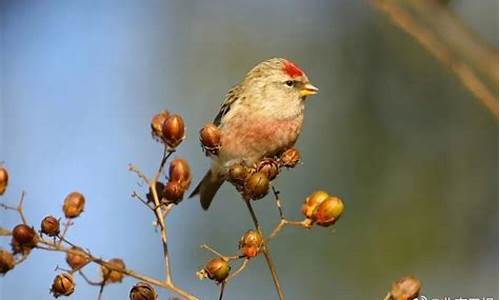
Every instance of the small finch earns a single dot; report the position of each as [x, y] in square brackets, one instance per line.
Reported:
[261, 116]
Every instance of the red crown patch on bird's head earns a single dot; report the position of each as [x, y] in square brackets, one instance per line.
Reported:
[291, 69]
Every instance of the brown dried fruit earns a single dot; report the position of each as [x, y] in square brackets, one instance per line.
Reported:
[7, 261]
[269, 167]
[23, 249]
[312, 202]
[217, 269]
[143, 291]
[50, 226]
[406, 288]
[74, 204]
[4, 180]
[173, 192]
[157, 124]
[290, 158]
[257, 186]
[173, 131]
[23, 234]
[238, 174]
[210, 138]
[250, 244]
[63, 285]
[329, 211]
[180, 171]
[112, 276]
[76, 258]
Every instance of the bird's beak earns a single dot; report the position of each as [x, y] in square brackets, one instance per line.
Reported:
[308, 90]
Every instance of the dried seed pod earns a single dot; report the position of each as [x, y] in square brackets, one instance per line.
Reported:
[4, 180]
[406, 288]
[112, 276]
[173, 192]
[250, 244]
[238, 174]
[290, 158]
[173, 131]
[24, 235]
[7, 261]
[143, 291]
[257, 186]
[329, 211]
[74, 204]
[157, 124]
[50, 226]
[210, 138]
[217, 269]
[76, 259]
[312, 202]
[63, 285]
[269, 167]
[18, 248]
[180, 171]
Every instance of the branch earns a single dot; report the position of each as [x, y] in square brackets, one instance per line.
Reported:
[101, 290]
[445, 36]
[5, 232]
[265, 251]
[138, 172]
[66, 225]
[217, 253]
[283, 222]
[19, 209]
[88, 280]
[160, 212]
[160, 217]
[235, 273]
[52, 246]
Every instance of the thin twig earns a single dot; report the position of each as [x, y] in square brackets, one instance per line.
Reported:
[52, 246]
[23, 258]
[138, 197]
[19, 208]
[88, 280]
[160, 216]
[278, 202]
[217, 253]
[235, 273]
[5, 232]
[283, 222]
[66, 226]
[207, 247]
[444, 35]
[222, 286]
[101, 289]
[266, 252]
[136, 170]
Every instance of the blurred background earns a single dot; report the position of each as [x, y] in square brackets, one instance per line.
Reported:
[393, 132]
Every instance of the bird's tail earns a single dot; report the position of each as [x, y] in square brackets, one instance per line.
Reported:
[207, 188]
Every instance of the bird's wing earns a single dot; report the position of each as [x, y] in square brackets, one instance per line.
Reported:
[231, 97]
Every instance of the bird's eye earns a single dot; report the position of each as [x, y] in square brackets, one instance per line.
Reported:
[290, 83]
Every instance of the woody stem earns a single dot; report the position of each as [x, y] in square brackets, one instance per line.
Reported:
[266, 252]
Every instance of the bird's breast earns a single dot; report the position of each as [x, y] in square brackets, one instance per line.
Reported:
[249, 138]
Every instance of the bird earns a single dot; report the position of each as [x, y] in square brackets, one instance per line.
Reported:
[261, 116]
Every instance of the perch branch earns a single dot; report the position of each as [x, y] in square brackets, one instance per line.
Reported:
[265, 251]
